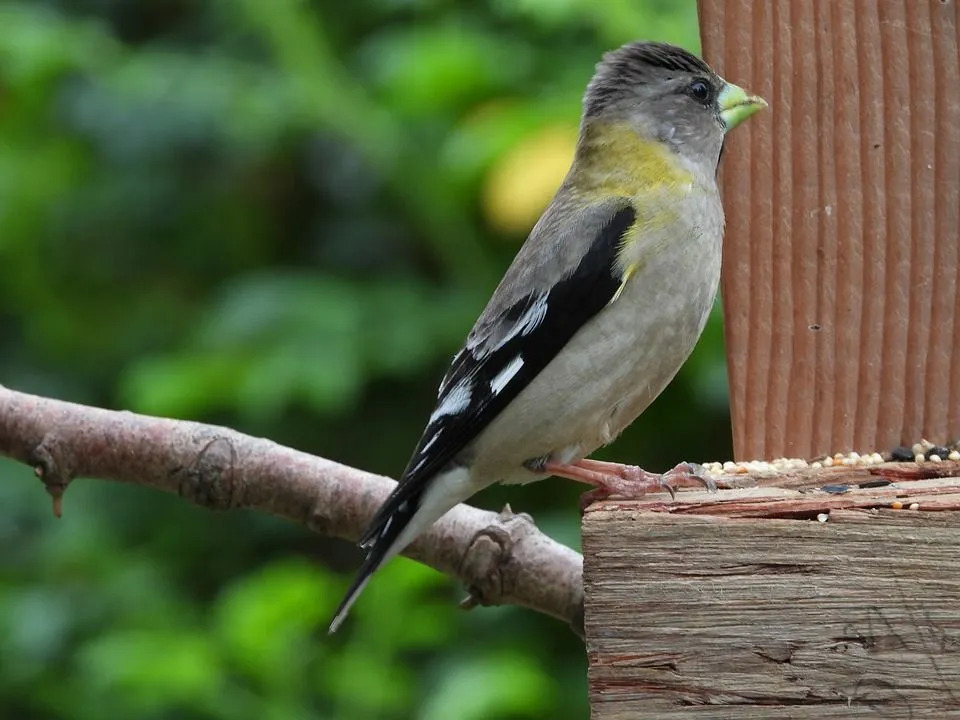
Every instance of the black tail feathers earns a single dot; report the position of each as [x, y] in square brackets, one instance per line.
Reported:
[379, 541]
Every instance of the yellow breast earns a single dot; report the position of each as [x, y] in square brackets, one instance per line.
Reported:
[614, 161]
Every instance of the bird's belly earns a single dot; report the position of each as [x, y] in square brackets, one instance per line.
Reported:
[617, 366]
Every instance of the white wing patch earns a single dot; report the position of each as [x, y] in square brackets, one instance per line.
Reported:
[525, 324]
[455, 401]
[533, 317]
[504, 377]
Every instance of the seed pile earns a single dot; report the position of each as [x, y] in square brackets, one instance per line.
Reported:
[926, 451]
[923, 451]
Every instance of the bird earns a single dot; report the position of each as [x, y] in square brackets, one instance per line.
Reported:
[599, 309]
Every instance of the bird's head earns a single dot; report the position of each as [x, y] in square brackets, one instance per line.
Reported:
[665, 94]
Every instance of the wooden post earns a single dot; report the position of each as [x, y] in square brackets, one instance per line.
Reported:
[842, 255]
[746, 606]
[810, 595]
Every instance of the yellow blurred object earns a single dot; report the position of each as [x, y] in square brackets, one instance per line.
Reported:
[521, 183]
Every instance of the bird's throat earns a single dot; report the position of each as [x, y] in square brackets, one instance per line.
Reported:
[614, 160]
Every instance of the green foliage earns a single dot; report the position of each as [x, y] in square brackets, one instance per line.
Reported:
[280, 216]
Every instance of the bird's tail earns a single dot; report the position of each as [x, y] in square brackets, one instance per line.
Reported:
[380, 547]
[401, 518]
[381, 543]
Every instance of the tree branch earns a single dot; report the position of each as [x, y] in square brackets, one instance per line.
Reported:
[501, 558]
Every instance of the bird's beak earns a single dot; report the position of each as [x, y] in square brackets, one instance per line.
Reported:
[736, 106]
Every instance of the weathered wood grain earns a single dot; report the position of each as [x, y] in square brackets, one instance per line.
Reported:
[732, 605]
[842, 256]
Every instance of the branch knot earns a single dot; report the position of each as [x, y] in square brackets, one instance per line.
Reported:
[489, 552]
[210, 481]
[54, 465]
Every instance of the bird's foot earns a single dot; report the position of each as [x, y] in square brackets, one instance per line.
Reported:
[629, 481]
[638, 482]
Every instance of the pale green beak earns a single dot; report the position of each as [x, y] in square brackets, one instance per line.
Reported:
[736, 106]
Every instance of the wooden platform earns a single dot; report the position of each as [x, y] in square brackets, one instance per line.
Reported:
[779, 600]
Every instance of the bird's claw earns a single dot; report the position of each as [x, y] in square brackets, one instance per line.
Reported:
[631, 481]
[694, 475]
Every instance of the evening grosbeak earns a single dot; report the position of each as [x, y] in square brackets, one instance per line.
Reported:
[600, 308]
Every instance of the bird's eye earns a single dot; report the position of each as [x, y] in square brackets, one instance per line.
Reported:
[700, 91]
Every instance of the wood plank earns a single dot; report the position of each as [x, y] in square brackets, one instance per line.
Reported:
[733, 605]
[842, 256]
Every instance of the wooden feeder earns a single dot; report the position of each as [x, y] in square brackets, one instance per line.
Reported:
[813, 592]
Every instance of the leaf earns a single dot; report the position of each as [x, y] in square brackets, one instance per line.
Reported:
[496, 685]
[401, 608]
[268, 621]
[152, 669]
[426, 69]
[182, 386]
[365, 683]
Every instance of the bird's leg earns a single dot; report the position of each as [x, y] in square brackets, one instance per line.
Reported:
[574, 471]
[628, 481]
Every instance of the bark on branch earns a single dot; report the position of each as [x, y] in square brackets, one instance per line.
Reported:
[501, 557]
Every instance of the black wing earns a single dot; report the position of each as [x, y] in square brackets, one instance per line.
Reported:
[485, 377]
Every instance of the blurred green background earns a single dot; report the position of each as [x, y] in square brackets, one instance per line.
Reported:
[282, 216]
